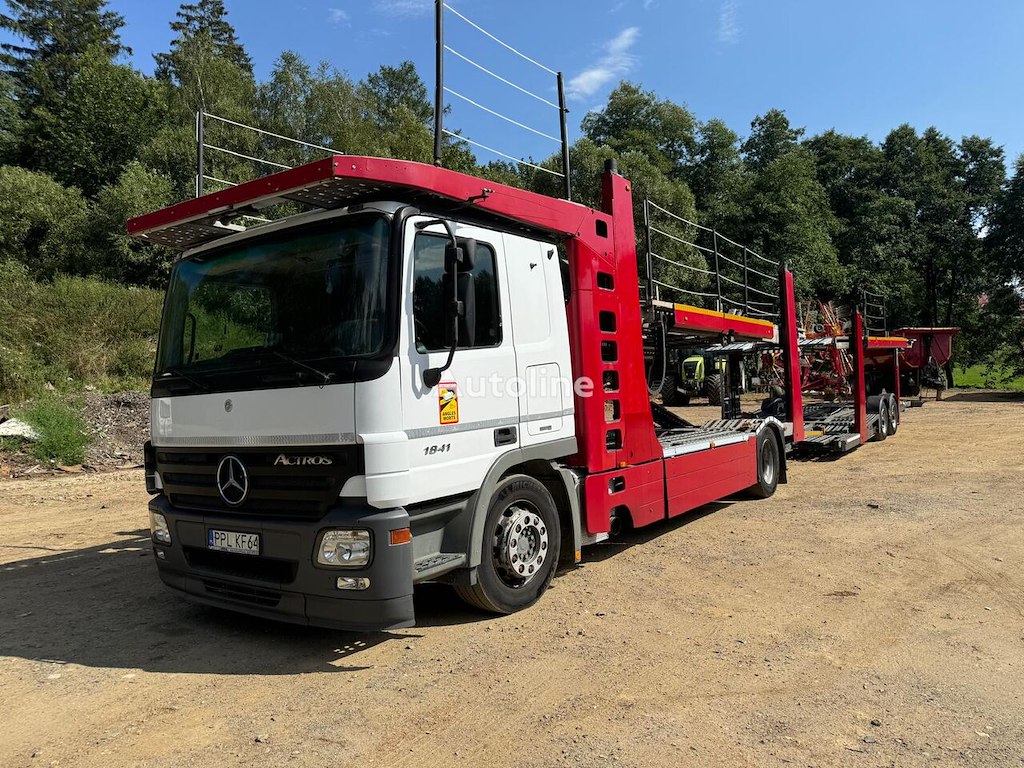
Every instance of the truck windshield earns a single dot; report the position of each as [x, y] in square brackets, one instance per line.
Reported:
[300, 301]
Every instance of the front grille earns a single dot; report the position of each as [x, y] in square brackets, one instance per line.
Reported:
[266, 598]
[242, 566]
[276, 490]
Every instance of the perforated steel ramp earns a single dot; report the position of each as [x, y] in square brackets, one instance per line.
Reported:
[742, 346]
[835, 423]
[679, 442]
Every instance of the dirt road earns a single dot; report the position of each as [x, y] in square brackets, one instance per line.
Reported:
[870, 614]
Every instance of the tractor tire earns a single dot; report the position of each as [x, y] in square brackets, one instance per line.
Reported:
[521, 542]
[670, 395]
[713, 388]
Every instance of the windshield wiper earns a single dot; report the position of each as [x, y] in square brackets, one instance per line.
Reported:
[327, 377]
[181, 374]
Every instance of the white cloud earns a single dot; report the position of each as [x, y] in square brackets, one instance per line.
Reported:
[403, 7]
[337, 16]
[728, 22]
[616, 62]
[648, 4]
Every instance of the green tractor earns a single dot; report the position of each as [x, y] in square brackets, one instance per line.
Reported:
[691, 378]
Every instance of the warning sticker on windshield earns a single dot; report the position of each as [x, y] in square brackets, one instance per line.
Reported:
[448, 403]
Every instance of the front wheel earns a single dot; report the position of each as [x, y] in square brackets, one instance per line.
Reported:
[520, 547]
[769, 465]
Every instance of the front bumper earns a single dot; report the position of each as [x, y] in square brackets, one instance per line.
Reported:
[284, 582]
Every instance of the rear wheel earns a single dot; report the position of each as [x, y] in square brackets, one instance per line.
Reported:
[520, 547]
[713, 388]
[894, 414]
[882, 431]
[769, 464]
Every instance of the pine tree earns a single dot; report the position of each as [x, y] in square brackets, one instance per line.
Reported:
[55, 34]
[203, 24]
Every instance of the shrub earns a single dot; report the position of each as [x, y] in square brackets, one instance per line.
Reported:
[72, 332]
[63, 436]
[42, 224]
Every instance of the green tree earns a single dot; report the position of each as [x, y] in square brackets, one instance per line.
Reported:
[206, 19]
[394, 88]
[42, 224]
[950, 191]
[788, 219]
[399, 108]
[771, 137]
[716, 175]
[55, 34]
[10, 118]
[1003, 314]
[872, 241]
[1005, 239]
[119, 257]
[44, 65]
[635, 120]
[110, 112]
[283, 106]
[337, 113]
[206, 69]
[786, 214]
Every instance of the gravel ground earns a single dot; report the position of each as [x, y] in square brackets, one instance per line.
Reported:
[871, 613]
[119, 425]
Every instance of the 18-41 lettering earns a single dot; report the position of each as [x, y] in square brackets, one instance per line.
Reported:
[430, 450]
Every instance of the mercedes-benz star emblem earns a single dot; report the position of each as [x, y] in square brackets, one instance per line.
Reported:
[232, 480]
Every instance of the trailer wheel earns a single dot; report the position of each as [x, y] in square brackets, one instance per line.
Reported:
[883, 420]
[894, 414]
[522, 540]
[713, 388]
[768, 466]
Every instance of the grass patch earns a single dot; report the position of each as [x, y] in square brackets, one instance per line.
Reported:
[73, 331]
[987, 377]
[63, 434]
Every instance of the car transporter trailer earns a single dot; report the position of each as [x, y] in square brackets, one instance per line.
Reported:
[316, 448]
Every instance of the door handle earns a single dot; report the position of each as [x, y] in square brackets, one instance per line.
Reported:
[504, 436]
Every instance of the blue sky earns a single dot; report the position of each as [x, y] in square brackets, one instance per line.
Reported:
[861, 67]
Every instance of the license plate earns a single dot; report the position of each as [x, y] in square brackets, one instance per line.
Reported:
[234, 541]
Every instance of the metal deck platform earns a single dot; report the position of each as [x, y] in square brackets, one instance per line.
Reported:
[678, 442]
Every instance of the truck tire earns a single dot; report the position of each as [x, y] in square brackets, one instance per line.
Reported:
[713, 388]
[894, 414]
[521, 543]
[769, 465]
[883, 420]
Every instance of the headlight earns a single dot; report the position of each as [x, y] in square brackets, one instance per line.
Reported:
[158, 528]
[344, 549]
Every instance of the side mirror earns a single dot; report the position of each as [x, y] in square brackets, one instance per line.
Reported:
[460, 256]
[463, 308]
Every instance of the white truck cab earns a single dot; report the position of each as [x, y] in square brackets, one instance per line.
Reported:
[317, 444]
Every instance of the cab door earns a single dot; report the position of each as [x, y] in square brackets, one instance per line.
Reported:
[541, 334]
[457, 429]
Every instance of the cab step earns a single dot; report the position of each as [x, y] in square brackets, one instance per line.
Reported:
[435, 565]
